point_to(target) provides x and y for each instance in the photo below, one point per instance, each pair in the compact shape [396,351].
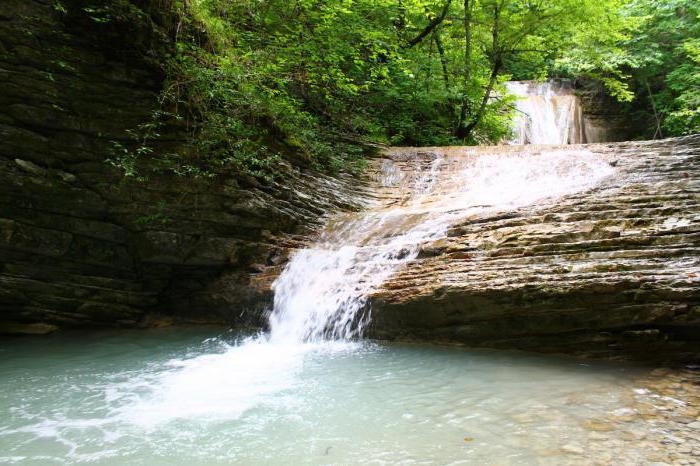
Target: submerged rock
[15,328]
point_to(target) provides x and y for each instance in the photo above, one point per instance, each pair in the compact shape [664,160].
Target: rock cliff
[612,270]
[82,246]
[605,119]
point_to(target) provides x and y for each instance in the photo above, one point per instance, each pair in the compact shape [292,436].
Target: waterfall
[546,113]
[322,293]
[321,297]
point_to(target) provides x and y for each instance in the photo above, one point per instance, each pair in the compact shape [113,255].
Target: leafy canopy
[317,82]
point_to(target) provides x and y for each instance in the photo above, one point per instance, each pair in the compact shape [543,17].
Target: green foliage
[315,83]
[59,7]
[647,51]
[599,52]
[126,156]
[99,14]
[159,217]
[666,54]
[269,80]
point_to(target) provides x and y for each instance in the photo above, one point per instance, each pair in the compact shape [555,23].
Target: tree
[315,82]
[666,63]
[496,36]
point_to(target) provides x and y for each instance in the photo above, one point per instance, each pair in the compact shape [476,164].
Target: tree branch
[443,59]
[497,64]
[435,22]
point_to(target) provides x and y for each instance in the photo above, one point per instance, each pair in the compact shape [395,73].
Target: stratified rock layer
[605,119]
[80,245]
[612,270]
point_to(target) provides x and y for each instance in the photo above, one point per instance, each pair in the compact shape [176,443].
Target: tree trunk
[656,114]
[443,59]
[466,74]
[497,64]
[485,100]
[434,23]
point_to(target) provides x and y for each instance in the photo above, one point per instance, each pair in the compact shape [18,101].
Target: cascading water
[320,303]
[546,113]
[307,391]
[322,292]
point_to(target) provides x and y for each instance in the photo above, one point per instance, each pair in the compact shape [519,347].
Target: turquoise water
[197,397]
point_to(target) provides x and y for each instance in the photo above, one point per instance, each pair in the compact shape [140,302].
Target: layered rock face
[81,246]
[606,119]
[612,270]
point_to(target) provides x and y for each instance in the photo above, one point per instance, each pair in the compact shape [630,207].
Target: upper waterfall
[546,113]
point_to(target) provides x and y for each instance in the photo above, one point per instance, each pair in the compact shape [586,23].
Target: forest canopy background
[255,81]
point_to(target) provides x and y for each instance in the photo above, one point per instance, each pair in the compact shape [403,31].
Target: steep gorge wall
[82,246]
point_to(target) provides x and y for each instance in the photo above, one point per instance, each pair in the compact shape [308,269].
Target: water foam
[320,308]
[320,302]
[361,404]
[322,293]
[218,386]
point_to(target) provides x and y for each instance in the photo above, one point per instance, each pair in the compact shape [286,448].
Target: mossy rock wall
[82,246]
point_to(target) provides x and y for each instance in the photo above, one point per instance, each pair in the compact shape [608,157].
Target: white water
[248,400]
[320,304]
[546,113]
[165,397]
[322,293]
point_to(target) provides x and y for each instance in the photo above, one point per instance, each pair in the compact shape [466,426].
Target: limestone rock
[15,328]
[612,271]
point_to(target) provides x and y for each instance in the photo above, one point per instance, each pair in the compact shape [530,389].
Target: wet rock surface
[610,271]
[614,271]
[82,246]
